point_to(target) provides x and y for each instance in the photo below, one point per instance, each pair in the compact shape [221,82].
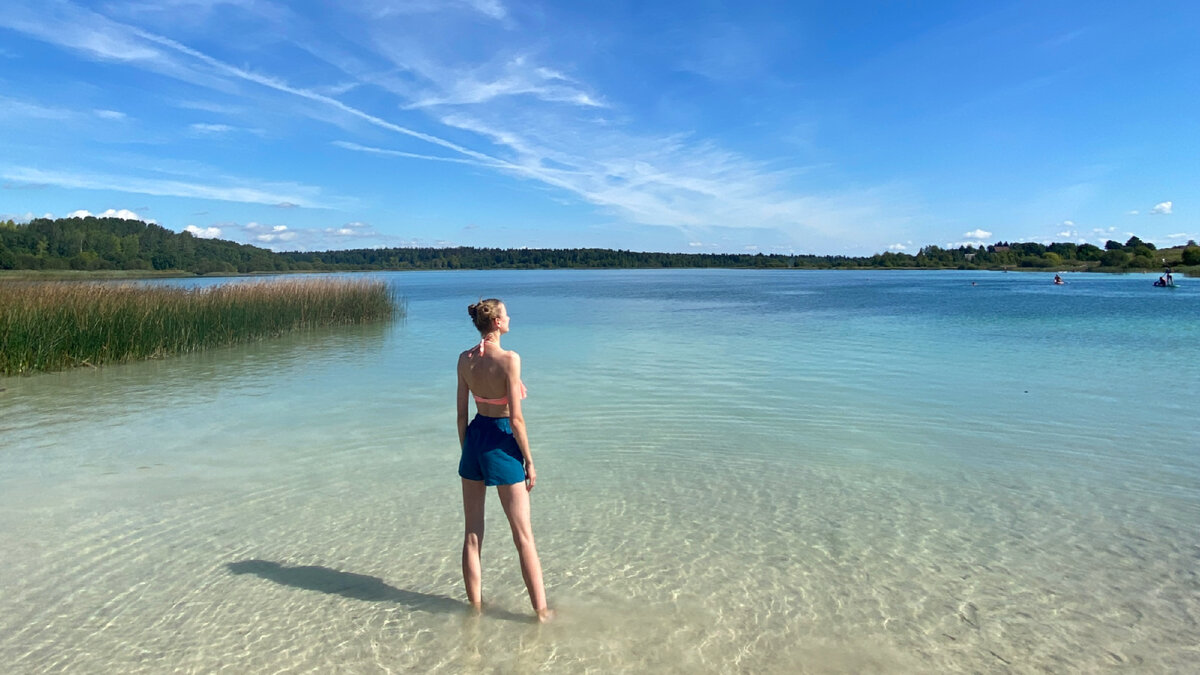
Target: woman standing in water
[495,451]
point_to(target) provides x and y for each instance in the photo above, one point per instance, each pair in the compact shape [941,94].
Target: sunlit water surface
[738,471]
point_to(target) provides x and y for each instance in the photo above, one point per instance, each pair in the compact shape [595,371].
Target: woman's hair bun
[483,312]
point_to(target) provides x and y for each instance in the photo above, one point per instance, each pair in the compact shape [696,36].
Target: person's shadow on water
[357,586]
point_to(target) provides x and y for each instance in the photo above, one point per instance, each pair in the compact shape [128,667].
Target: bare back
[495,374]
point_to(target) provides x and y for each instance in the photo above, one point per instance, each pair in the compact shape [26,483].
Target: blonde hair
[484,313]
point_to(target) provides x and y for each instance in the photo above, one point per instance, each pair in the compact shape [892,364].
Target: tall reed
[54,325]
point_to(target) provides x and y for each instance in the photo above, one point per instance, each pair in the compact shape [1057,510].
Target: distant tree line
[116,244]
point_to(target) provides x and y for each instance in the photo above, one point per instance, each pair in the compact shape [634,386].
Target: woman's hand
[530,476]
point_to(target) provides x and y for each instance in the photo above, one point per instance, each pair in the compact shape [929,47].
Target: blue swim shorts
[490,453]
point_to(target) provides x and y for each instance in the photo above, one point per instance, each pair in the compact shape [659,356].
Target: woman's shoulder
[512,360]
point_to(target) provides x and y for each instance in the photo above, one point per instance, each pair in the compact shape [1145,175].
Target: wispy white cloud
[210,129]
[264,194]
[1161,209]
[202,128]
[977,234]
[76,28]
[671,181]
[516,77]
[209,106]
[492,9]
[283,87]
[347,145]
[13,108]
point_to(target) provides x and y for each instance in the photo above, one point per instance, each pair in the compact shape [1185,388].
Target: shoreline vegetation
[48,326]
[116,248]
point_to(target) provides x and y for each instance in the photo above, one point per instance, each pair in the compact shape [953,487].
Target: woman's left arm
[517,419]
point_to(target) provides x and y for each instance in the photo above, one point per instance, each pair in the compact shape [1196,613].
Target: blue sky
[807,127]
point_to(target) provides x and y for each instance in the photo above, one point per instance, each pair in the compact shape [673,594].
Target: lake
[759,471]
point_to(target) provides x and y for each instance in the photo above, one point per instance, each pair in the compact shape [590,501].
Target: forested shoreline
[97,244]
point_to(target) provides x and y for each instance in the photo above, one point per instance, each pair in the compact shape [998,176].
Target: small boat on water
[1058,281]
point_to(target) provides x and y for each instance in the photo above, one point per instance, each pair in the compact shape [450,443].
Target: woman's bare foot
[546,615]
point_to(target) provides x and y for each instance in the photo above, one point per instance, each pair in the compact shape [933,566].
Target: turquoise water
[753,471]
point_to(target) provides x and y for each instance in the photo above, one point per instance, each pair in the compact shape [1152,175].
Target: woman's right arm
[462,402]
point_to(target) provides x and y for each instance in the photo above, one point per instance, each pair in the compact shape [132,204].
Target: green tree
[1088,252]
[1114,258]
[1191,255]
[1141,251]
[1066,250]
[8,261]
[1134,242]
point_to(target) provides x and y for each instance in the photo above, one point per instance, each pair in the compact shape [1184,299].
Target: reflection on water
[758,471]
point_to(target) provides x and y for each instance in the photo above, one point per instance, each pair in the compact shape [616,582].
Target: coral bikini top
[503,400]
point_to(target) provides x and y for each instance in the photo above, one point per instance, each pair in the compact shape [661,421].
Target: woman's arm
[462,402]
[517,420]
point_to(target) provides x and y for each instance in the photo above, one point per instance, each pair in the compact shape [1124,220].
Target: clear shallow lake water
[738,471]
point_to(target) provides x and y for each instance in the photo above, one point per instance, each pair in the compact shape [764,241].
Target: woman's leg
[515,500]
[474,496]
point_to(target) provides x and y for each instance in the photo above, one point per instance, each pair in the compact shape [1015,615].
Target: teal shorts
[490,453]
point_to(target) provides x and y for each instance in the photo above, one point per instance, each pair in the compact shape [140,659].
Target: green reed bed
[54,325]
